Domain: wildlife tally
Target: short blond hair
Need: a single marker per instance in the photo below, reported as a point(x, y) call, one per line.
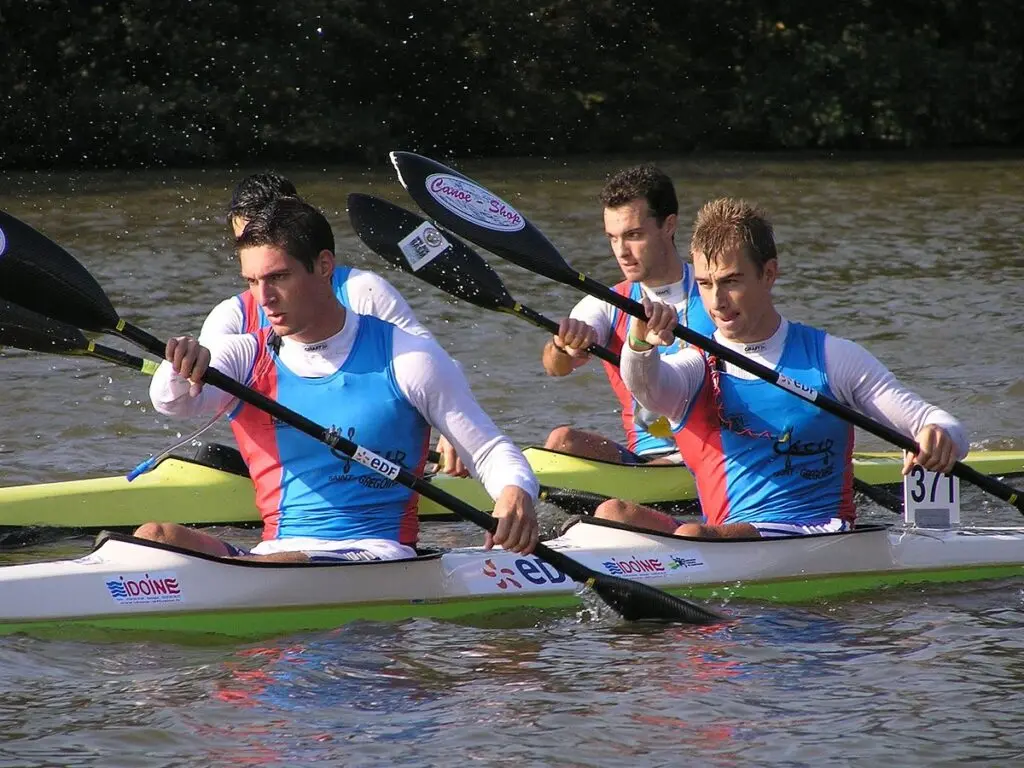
point(727, 223)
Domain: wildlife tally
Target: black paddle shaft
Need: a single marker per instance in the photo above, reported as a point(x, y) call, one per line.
point(823, 401)
point(550, 325)
point(24, 329)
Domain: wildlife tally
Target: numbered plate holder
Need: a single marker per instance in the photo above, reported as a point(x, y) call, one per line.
point(930, 499)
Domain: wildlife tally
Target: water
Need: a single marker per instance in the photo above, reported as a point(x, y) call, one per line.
point(919, 261)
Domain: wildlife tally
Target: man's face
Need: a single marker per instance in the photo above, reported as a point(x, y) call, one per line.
point(290, 295)
point(736, 297)
point(643, 250)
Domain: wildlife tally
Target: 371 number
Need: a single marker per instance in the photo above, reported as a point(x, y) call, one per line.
point(919, 490)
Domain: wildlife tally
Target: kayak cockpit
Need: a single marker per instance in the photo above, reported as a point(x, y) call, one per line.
point(105, 539)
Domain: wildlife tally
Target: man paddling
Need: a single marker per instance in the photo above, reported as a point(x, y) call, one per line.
point(640, 216)
point(767, 463)
point(378, 385)
point(360, 290)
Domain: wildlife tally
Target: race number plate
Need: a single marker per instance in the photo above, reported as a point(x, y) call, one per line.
point(931, 500)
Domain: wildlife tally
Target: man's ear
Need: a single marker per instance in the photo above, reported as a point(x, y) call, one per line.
point(325, 263)
point(770, 271)
point(669, 224)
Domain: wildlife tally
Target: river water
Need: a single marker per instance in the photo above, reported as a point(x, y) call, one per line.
point(919, 260)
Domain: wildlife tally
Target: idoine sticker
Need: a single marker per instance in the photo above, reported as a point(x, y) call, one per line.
point(144, 589)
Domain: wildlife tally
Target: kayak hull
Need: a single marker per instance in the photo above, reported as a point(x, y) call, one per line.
point(128, 584)
point(194, 493)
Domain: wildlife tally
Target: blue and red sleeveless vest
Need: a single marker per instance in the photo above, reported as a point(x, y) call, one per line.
point(693, 315)
point(762, 454)
point(302, 487)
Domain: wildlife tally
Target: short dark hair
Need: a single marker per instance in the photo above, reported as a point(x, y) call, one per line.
point(292, 225)
point(255, 191)
point(642, 181)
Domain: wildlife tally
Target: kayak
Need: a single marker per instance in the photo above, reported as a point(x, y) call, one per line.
point(212, 487)
point(127, 583)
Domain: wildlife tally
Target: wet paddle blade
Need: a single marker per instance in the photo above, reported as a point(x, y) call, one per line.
point(636, 601)
point(572, 501)
point(633, 600)
point(472, 212)
point(415, 245)
point(41, 276)
point(23, 329)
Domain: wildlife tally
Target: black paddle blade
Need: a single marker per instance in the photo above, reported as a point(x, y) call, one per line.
point(23, 329)
point(633, 600)
point(415, 245)
point(572, 501)
point(636, 601)
point(41, 276)
point(471, 211)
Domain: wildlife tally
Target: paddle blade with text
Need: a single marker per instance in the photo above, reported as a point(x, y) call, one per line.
point(415, 245)
point(463, 206)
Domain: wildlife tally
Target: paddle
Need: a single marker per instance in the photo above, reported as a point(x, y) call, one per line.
point(414, 245)
point(463, 206)
point(23, 329)
point(42, 275)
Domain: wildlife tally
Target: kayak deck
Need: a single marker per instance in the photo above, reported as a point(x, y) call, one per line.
point(129, 584)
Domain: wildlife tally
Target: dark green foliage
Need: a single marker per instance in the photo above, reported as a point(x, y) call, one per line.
point(162, 82)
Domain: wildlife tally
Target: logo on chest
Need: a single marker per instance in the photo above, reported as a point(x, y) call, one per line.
point(811, 459)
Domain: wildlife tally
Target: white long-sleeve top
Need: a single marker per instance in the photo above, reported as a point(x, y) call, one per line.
point(368, 294)
point(666, 384)
point(426, 375)
point(600, 315)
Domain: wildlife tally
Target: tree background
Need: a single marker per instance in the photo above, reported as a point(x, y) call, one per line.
point(159, 83)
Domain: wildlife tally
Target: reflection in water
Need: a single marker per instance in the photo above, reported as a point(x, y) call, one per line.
point(378, 685)
point(781, 685)
point(353, 685)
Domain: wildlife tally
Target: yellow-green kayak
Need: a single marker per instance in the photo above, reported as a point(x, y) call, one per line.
point(212, 489)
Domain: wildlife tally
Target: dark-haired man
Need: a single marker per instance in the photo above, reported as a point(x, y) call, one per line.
point(378, 385)
point(640, 216)
point(360, 290)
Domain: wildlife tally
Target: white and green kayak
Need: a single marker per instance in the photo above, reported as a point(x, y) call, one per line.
point(130, 584)
point(213, 488)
